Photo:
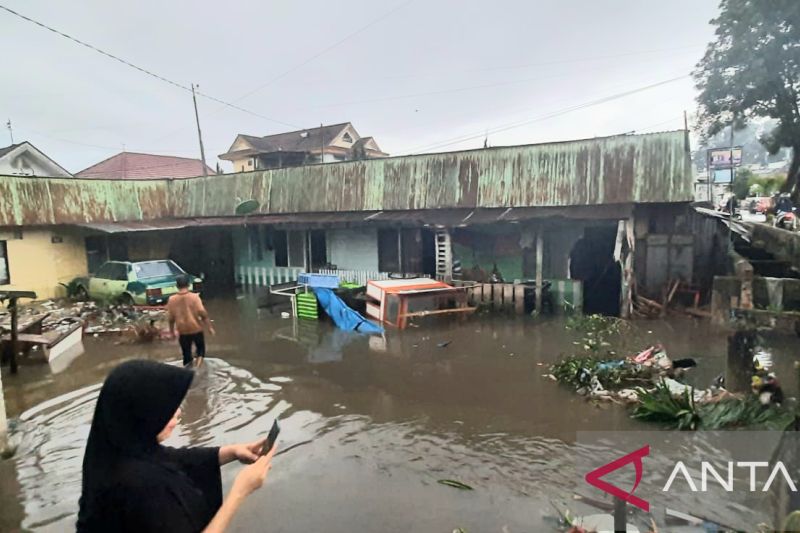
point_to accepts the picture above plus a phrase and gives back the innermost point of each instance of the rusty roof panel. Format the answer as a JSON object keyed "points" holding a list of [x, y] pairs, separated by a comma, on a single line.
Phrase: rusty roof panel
{"points": [[611, 170]]}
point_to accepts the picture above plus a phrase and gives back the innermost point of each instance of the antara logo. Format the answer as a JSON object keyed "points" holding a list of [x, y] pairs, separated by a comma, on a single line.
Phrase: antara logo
{"points": [[593, 477], [707, 471]]}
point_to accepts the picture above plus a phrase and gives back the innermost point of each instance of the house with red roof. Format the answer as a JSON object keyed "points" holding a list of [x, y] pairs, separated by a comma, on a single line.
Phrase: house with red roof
{"points": [[136, 166]]}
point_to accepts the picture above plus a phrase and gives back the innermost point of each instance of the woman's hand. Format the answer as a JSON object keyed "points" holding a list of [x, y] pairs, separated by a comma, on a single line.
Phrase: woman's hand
{"points": [[244, 453], [252, 476], [248, 480]]}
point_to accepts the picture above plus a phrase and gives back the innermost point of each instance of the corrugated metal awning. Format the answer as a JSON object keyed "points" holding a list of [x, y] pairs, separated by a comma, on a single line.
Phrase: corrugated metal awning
{"points": [[451, 218]]}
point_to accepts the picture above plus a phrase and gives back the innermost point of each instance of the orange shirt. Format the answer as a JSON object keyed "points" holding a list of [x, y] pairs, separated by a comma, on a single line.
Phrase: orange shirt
{"points": [[186, 310]]}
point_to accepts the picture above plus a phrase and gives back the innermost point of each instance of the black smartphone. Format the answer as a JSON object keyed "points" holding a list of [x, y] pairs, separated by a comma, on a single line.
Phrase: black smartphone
{"points": [[271, 438]]}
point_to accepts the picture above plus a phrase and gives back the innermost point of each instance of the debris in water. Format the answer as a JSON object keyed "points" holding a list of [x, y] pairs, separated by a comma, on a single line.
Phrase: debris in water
{"points": [[444, 344], [455, 484]]}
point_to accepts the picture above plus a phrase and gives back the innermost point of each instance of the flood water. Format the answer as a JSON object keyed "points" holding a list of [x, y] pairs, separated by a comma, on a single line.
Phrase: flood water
{"points": [[386, 418]]}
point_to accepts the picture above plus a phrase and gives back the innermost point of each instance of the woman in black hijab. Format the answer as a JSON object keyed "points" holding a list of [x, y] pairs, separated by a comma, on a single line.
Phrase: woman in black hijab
{"points": [[133, 483]]}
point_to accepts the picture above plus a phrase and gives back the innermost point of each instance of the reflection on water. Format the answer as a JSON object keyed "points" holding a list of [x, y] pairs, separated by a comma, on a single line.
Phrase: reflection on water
{"points": [[387, 417]]}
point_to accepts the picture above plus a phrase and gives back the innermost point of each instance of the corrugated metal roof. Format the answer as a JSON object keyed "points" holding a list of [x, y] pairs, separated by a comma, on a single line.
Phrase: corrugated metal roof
{"points": [[613, 170], [427, 217]]}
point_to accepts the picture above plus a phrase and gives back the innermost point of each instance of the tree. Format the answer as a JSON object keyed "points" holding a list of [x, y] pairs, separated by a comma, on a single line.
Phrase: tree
{"points": [[752, 70], [741, 183]]}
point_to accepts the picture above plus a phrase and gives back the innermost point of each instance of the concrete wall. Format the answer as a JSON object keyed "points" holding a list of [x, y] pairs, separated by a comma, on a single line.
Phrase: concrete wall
{"points": [[39, 264]]}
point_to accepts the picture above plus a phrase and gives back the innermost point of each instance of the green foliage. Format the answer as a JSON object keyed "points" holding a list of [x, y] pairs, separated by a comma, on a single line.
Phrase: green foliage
{"points": [[71, 288], [767, 185], [752, 69], [658, 405], [577, 371], [746, 412], [597, 330], [741, 183]]}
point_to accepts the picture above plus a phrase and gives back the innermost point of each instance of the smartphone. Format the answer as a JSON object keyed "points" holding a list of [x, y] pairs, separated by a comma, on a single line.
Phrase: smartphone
{"points": [[271, 438]]}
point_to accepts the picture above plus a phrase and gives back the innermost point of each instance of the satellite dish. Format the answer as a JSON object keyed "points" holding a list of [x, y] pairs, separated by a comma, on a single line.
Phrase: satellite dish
{"points": [[246, 207]]}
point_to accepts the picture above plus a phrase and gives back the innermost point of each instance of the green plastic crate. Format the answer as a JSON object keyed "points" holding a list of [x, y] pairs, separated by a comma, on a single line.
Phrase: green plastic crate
{"points": [[307, 306]]}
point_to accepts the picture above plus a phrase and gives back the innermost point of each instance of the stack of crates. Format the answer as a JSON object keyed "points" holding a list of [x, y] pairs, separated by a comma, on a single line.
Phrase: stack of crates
{"points": [[307, 305]]}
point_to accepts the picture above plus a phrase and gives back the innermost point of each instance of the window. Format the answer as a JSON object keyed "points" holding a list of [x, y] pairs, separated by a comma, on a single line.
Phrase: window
{"points": [[151, 269], [106, 271], [347, 138], [5, 278], [250, 163], [256, 248], [280, 244], [388, 250], [297, 248], [318, 248]]}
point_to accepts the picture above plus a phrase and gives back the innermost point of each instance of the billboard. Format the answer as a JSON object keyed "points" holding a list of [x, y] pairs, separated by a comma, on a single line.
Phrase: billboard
{"points": [[719, 158], [722, 175]]}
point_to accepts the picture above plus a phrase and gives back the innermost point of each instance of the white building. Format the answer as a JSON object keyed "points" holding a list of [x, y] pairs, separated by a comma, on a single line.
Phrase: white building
{"points": [[24, 159]]}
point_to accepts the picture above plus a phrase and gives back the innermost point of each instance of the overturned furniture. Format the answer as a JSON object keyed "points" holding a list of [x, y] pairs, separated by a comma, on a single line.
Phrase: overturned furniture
{"points": [[395, 301]]}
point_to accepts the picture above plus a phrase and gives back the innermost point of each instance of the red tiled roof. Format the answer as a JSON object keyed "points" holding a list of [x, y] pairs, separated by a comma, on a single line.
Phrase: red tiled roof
{"points": [[131, 165]]}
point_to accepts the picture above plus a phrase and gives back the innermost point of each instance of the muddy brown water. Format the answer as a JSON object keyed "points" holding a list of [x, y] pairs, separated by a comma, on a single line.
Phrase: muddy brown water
{"points": [[386, 417]]}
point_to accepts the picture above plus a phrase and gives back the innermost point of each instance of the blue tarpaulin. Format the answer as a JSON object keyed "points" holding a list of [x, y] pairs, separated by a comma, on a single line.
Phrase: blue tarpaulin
{"points": [[343, 316]]}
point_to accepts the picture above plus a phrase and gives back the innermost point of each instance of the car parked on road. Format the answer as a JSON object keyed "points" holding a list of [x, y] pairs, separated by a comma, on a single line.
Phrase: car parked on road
{"points": [[135, 283]]}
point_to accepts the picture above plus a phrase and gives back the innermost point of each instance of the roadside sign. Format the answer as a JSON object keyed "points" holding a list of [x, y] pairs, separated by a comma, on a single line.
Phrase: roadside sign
{"points": [[720, 158], [722, 175]]}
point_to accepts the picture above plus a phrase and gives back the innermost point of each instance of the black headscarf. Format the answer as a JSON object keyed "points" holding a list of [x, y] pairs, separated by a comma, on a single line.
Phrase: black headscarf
{"points": [[130, 481]]}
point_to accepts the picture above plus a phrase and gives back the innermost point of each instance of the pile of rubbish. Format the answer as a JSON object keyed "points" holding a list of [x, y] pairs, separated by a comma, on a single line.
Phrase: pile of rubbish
{"points": [[618, 380], [651, 383], [141, 323]]}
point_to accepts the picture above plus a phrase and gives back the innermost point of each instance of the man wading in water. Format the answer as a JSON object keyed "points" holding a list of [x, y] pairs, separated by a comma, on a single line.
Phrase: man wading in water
{"points": [[186, 311]]}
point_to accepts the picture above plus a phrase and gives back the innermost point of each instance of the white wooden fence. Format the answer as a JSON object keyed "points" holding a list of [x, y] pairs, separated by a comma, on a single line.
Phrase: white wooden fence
{"points": [[357, 276], [267, 276]]}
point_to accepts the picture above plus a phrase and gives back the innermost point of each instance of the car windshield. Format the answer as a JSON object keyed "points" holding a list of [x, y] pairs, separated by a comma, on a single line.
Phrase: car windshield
{"points": [[156, 269]]}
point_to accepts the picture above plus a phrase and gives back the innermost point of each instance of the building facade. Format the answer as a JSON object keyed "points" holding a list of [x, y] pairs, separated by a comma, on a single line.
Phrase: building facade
{"points": [[604, 215]]}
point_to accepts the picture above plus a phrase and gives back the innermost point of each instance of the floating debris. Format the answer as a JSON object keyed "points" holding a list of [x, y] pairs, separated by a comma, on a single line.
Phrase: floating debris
{"points": [[455, 484]]}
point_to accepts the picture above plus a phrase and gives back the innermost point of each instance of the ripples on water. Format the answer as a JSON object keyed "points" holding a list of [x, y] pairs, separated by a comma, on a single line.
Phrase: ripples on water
{"points": [[490, 422], [228, 404]]}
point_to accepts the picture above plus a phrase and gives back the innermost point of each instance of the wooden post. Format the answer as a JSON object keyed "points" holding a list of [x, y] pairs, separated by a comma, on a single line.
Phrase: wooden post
{"points": [[620, 518], [739, 369], [539, 261], [12, 306], [3, 420]]}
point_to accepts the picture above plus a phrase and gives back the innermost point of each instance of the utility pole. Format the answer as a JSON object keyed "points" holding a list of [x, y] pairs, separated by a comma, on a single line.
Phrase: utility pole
{"points": [[10, 130], [732, 201], [199, 133], [321, 144]]}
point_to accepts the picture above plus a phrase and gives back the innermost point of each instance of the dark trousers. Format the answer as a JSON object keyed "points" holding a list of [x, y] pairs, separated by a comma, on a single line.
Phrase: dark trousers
{"points": [[186, 341]]}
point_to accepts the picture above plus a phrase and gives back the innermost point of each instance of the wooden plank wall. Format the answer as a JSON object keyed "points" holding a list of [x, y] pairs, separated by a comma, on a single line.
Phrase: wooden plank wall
{"points": [[505, 297]]}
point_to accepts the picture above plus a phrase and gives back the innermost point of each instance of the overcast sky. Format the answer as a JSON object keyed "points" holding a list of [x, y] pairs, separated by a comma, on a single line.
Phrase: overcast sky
{"points": [[418, 75]]}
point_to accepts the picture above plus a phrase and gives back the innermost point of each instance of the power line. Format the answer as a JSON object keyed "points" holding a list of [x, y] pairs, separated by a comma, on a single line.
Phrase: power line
{"points": [[563, 111], [323, 51], [140, 69], [304, 63], [583, 59], [439, 92]]}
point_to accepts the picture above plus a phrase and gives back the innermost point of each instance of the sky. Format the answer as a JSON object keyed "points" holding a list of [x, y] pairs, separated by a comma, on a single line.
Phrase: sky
{"points": [[417, 75]]}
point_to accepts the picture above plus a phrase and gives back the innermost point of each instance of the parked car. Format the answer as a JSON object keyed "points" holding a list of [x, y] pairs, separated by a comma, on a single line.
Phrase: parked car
{"points": [[134, 283]]}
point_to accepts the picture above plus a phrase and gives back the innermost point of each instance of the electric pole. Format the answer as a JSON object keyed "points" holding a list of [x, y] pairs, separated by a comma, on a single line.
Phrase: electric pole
{"points": [[199, 133], [10, 130]]}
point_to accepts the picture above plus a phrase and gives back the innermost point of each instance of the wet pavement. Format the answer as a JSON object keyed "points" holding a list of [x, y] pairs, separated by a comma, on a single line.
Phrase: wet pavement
{"points": [[386, 417]]}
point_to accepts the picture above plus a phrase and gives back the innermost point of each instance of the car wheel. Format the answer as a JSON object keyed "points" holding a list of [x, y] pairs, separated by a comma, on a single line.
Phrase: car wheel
{"points": [[81, 295], [126, 299]]}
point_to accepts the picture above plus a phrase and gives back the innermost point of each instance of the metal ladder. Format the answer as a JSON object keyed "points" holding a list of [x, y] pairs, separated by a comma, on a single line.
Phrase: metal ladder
{"points": [[444, 256]]}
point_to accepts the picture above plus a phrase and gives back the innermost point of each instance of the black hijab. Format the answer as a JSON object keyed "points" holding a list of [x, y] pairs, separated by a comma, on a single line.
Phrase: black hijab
{"points": [[130, 481]]}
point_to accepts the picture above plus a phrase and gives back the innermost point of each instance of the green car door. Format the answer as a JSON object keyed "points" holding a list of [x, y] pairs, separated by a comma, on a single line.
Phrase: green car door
{"points": [[110, 281], [98, 283]]}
